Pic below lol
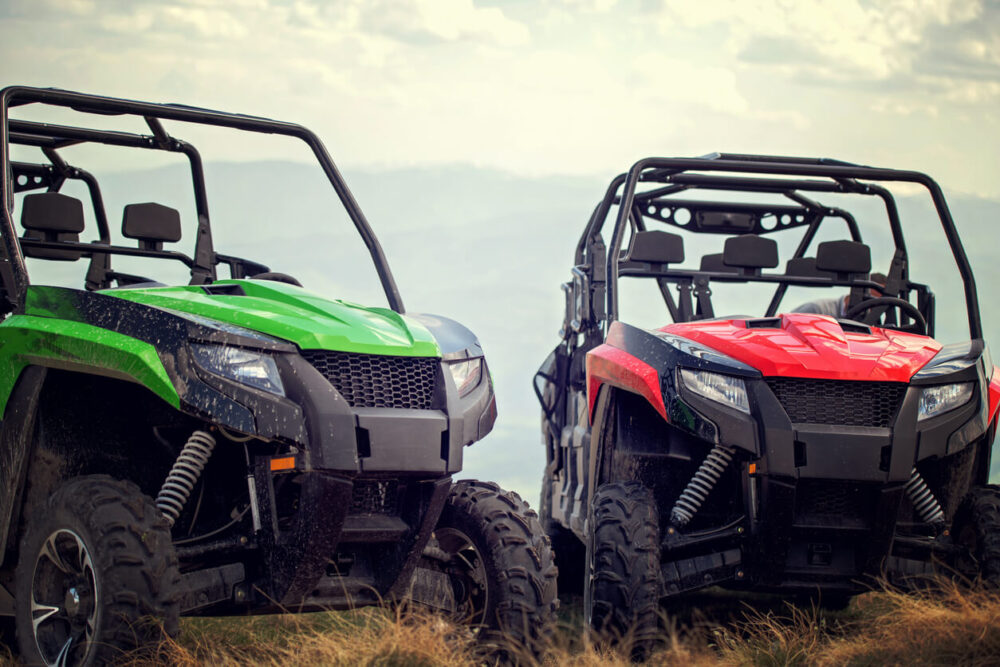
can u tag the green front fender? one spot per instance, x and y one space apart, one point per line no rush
27 340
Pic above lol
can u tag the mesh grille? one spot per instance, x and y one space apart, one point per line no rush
820 498
843 403
374 496
376 381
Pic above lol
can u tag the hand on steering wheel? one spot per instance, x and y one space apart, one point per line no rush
919 325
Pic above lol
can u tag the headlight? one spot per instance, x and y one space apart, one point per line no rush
466 374
244 366
723 389
936 400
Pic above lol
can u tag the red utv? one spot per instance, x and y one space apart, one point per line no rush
776 450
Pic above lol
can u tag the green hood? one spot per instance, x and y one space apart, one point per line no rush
291 313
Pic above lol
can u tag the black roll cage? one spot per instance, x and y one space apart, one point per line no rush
796 175
51 138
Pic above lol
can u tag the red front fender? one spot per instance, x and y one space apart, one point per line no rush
615 367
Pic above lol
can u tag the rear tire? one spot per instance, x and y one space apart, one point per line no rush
623 582
96 575
976 529
502 566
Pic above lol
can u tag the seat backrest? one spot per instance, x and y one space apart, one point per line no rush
51 216
656 247
844 257
713 264
151 224
750 251
805 267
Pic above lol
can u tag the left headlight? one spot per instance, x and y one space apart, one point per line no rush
942 398
466 373
243 366
724 389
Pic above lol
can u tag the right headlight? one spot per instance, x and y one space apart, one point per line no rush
466 373
942 398
725 389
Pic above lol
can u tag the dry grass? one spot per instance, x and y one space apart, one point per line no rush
946 625
943 625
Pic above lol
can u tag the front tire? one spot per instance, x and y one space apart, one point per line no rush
622 586
96 575
976 530
501 564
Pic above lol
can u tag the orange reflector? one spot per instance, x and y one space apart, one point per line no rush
285 463
752 468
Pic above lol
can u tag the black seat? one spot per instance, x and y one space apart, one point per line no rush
751 253
656 247
849 260
51 216
845 258
713 263
805 267
151 224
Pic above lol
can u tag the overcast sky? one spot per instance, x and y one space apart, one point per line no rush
552 86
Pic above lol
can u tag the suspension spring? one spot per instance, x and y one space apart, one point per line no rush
184 475
701 485
927 506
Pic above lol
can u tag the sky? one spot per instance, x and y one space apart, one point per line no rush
548 100
552 86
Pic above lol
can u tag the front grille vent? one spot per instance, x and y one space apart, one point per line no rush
818 500
838 402
377 381
372 496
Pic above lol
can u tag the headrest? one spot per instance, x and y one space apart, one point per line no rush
844 257
805 267
656 247
151 224
713 263
50 216
750 251
52 212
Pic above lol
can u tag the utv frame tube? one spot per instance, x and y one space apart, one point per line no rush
842 173
13 272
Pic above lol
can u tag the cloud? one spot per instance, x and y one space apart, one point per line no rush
944 44
442 21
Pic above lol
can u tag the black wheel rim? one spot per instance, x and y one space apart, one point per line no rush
467 571
64 599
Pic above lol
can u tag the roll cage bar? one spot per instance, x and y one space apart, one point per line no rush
52 138
790 177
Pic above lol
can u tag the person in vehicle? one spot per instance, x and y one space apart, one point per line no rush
837 307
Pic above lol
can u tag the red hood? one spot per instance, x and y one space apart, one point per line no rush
814 346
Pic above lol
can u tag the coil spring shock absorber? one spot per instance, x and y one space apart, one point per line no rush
184 475
697 490
927 506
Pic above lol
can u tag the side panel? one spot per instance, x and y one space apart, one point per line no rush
15 441
28 340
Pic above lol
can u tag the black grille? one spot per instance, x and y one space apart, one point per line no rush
376 381
833 503
374 496
838 402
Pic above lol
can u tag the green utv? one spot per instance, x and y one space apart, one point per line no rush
228 446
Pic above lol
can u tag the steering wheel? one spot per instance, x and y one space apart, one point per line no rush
919 325
277 277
